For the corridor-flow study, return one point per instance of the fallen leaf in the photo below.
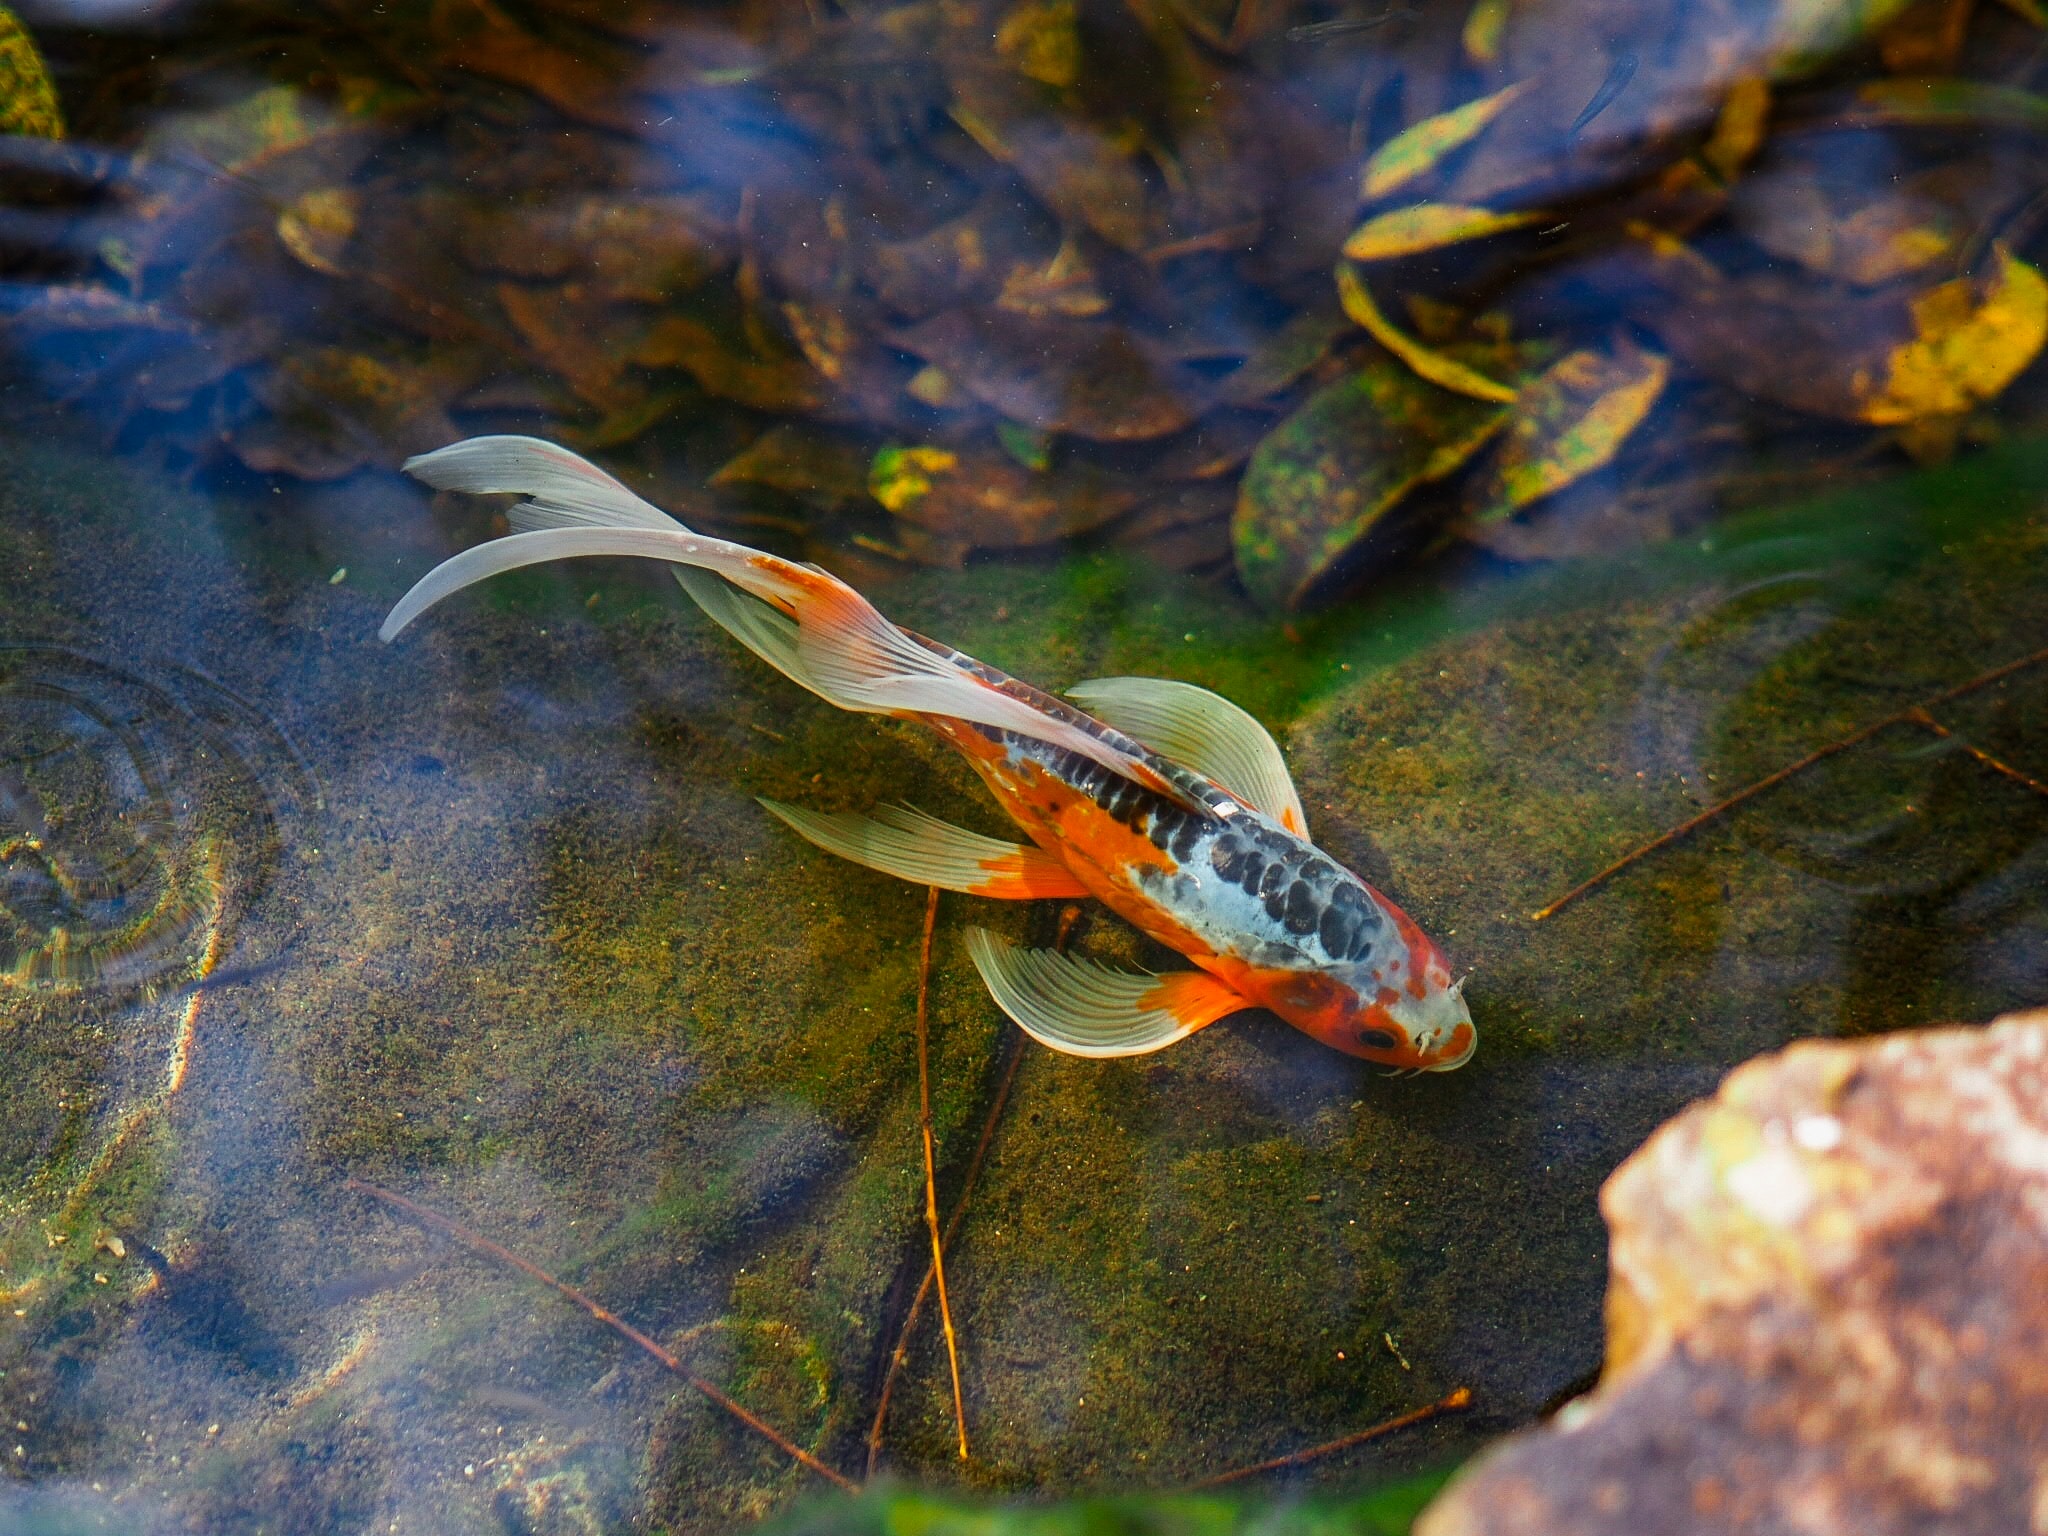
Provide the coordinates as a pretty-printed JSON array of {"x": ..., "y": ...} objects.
[
  {"x": 318, "y": 226},
  {"x": 1485, "y": 25},
  {"x": 1282, "y": 356},
  {"x": 1039, "y": 40},
  {"x": 1826, "y": 213},
  {"x": 1568, "y": 421},
  {"x": 28, "y": 101},
  {"x": 1739, "y": 127},
  {"x": 1428, "y": 363},
  {"x": 1418, "y": 149},
  {"x": 1926, "y": 38},
  {"x": 566, "y": 329},
  {"x": 947, "y": 503},
  {"x": 646, "y": 247},
  {"x": 1971, "y": 339},
  {"x": 1947, "y": 103},
  {"x": 900, "y": 476},
  {"x": 802, "y": 460},
  {"x": 1058, "y": 374},
  {"x": 782, "y": 385},
  {"x": 1428, "y": 226},
  {"x": 1327, "y": 476},
  {"x": 479, "y": 37},
  {"x": 331, "y": 411},
  {"x": 1881, "y": 358}
]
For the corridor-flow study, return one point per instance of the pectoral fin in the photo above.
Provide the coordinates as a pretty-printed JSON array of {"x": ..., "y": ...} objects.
[
  {"x": 913, "y": 846},
  {"x": 1085, "y": 1009},
  {"x": 1203, "y": 730}
]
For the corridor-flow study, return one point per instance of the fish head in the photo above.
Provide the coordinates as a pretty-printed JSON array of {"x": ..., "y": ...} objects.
[{"x": 1422, "y": 1027}]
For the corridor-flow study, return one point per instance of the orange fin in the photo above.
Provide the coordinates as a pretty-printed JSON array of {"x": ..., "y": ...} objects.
[
  {"x": 1084, "y": 1009},
  {"x": 912, "y": 846}
]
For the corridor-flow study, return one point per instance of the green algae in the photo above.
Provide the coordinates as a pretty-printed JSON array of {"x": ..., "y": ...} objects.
[{"x": 555, "y": 974}]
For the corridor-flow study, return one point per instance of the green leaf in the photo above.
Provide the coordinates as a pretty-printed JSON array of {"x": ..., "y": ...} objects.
[
  {"x": 1925, "y": 103},
  {"x": 1324, "y": 479},
  {"x": 1428, "y": 226},
  {"x": 1569, "y": 421},
  {"x": 1416, "y": 150}
]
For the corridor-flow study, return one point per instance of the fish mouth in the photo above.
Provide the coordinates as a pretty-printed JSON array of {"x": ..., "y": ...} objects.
[{"x": 1470, "y": 1037}]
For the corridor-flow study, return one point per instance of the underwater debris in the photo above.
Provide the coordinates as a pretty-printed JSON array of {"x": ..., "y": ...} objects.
[
  {"x": 611, "y": 1320},
  {"x": 1912, "y": 714},
  {"x": 1455, "y": 1401}
]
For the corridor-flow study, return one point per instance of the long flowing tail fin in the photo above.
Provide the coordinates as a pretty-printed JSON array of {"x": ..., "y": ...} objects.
[{"x": 806, "y": 623}]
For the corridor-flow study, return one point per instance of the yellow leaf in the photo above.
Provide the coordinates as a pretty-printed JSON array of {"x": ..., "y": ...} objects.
[
  {"x": 1569, "y": 421},
  {"x": 1739, "y": 127},
  {"x": 1484, "y": 25},
  {"x": 1426, "y": 226},
  {"x": 28, "y": 101},
  {"x": 1970, "y": 341},
  {"x": 319, "y": 225},
  {"x": 1416, "y": 150},
  {"x": 1433, "y": 366},
  {"x": 1040, "y": 40},
  {"x": 900, "y": 476}
]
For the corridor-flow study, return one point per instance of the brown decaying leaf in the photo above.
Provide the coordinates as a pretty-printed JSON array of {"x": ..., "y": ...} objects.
[
  {"x": 785, "y": 385},
  {"x": 814, "y": 463},
  {"x": 1882, "y": 359},
  {"x": 646, "y": 248},
  {"x": 1059, "y": 374},
  {"x": 948, "y": 503}
]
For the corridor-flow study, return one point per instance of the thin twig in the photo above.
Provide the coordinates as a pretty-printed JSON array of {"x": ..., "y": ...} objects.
[
  {"x": 1912, "y": 714},
  {"x": 611, "y": 1320},
  {"x": 931, "y": 1178},
  {"x": 1451, "y": 1402},
  {"x": 924, "y": 1289},
  {"x": 1921, "y": 717}
]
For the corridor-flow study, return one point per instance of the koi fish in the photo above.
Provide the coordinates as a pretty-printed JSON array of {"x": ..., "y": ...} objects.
[{"x": 1166, "y": 802}]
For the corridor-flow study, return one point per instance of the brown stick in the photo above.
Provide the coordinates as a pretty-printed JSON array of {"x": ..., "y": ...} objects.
[
  {"x": 931, "y": 1177},
  {"x": 611, "y": 1320},
  {"x": 1921, "y": 717},
  {"x": 1451, "y": 1402},
  {"x": 916, "y": 1310},
  {"x": 1914, "y": 714}
]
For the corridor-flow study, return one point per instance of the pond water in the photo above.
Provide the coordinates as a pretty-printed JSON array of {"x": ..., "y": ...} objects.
[{"x": 337, "y": 978}]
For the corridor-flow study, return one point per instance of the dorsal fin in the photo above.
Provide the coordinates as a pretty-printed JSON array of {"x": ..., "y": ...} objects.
[{"x": 1204, "y": 731}]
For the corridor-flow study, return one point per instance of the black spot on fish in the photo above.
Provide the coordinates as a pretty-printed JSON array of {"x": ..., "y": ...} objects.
[
  {"x": 1301, "y": 908},
  {"x": 1254, "y": 874},
  {"x": 1275, "y": 879},
  {"x": 1228, "y": 860},
  {"x": 1185, "y": 838},
  {"x": 1276, "y": 905},
  {"x": 1378, "y": 1039},
  {"x": 1338, "y": 932},
  {"x": 1321, "y": 871}
]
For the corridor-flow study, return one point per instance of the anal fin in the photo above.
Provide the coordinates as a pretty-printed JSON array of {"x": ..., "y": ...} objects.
[
  {"x": 1084, "y": 1009},
  {"x": 912, "y": 846}
]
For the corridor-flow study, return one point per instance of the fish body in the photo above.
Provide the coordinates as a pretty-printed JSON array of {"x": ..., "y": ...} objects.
[{"x": 1166, "y": 803}]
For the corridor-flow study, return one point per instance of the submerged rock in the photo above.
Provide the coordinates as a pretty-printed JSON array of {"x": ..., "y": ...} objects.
[{"x": 1827, "y": 1309}]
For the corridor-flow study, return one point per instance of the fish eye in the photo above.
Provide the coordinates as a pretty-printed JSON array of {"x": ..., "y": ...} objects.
[{"x": 1377, "y": 1039}]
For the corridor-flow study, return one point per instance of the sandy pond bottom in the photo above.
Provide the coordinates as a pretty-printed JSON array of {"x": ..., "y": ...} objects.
[{"x": 522, "y": 947}]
